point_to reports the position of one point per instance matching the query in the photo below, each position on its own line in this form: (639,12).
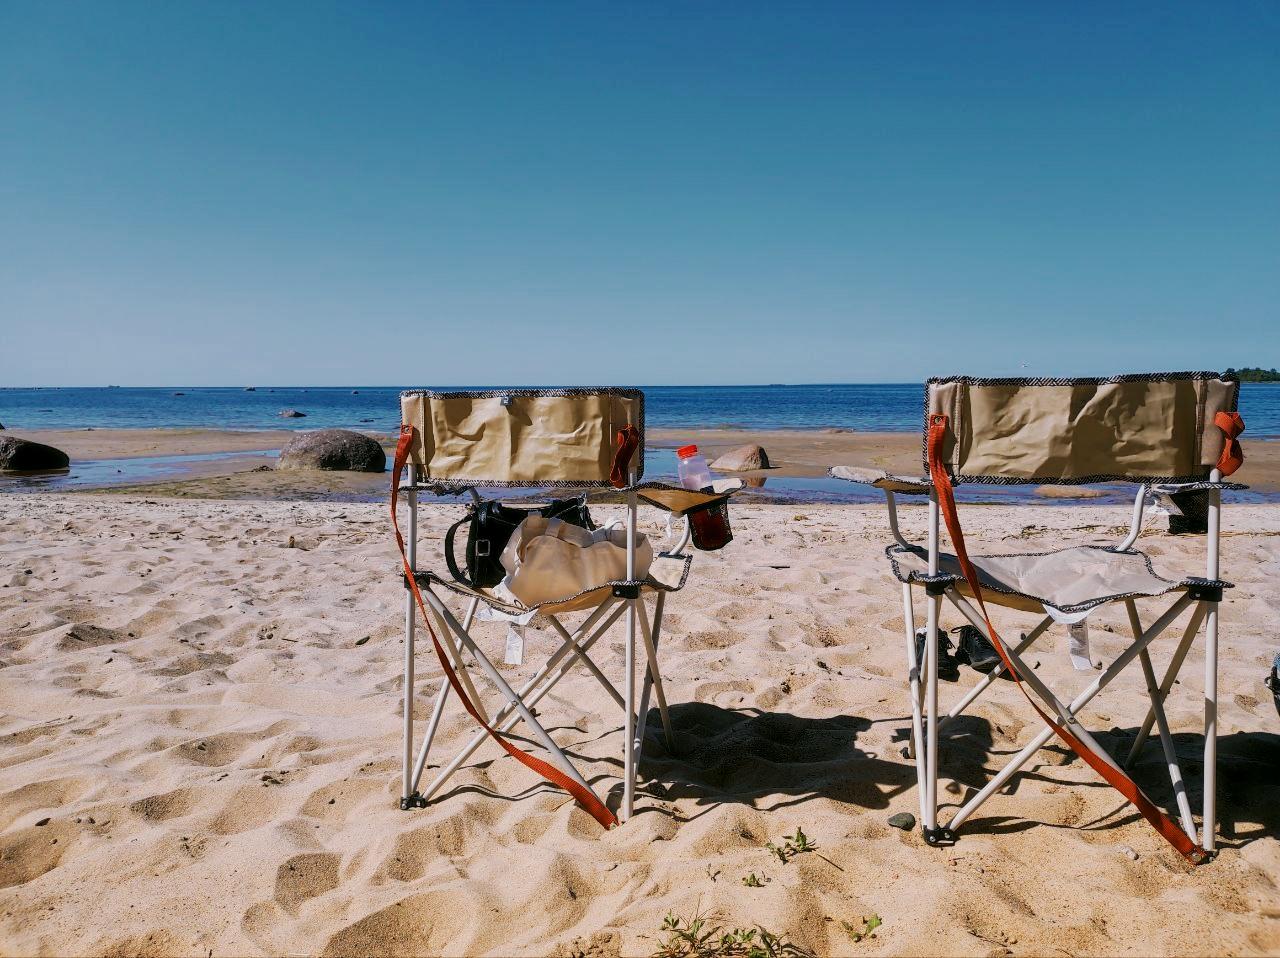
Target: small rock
(1128,853)
(742,459)
(904,820)
(363,641)
(23,455)
(292,414)
(953,787)
(42,823)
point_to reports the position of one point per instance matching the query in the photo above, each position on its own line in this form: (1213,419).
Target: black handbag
(492,524)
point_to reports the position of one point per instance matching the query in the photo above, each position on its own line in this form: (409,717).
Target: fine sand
(201,730)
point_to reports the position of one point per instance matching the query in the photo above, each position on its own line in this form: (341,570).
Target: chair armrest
(1203,485)
(679,500)
(904,485)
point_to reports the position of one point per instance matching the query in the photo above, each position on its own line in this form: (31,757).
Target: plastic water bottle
(694,473)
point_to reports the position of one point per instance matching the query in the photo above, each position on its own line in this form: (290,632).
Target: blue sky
(220,193)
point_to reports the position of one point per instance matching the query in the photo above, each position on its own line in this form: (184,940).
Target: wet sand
(794,453)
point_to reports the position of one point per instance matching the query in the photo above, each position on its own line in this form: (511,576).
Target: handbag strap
(596,808)
(448,549)
(1122,783)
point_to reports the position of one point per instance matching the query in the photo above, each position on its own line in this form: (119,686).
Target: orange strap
(585,796)
(1232,457)
(1162,823)
(628,442)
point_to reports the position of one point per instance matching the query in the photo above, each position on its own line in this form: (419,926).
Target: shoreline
(233,467)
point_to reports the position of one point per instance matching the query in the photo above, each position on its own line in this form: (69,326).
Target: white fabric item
(1078,647)
(1078,642)
(515,645)
(487,613)
(548,559)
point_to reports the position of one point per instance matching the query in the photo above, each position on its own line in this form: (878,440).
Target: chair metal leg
(653,676)
(1171,673)
(931,728)
(1162,723)
(586,660)
(406,784)
(629,665)
(1209,814)
(985,682)
(455,653)
(1029,678)
(441,698)
(915,747)
(1086,695)
(508,693)
(646,688)
(507,720)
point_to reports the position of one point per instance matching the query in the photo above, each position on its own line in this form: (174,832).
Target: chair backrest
(1150,427)
(521,437)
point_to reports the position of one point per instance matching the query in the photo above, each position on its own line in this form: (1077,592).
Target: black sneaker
(948,670)
(973,649)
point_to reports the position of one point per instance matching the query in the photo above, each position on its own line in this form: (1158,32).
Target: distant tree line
(1255,374)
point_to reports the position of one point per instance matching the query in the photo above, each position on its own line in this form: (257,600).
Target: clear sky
(222,193)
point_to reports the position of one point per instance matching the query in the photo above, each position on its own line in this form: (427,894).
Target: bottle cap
(684,452)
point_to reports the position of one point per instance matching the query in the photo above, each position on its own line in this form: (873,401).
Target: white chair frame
(455,637)
(926,722)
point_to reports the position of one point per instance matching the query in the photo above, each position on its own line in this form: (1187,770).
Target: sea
(879,407)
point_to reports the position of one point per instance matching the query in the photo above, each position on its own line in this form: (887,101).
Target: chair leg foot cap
(413,801)
(940,837)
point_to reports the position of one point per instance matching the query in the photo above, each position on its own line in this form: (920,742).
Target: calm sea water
(885,407)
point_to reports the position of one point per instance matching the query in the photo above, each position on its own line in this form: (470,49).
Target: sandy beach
(201,730)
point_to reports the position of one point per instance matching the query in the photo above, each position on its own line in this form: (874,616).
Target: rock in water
(339,449)
(292,414)
(904,820)
(23,455)
(742,459)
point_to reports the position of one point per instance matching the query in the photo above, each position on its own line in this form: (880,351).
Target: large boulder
(23,455)
(742,459)
(292,414)
(339,449)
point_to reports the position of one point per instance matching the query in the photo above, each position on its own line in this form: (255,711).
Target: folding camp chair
(1168,433)
(590,439)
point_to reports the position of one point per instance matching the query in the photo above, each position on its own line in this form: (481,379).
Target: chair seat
(666,574)
(1072,580)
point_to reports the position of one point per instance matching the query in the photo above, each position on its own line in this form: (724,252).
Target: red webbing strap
(1162,823)
(1232,457)
(628,442)
(585,797)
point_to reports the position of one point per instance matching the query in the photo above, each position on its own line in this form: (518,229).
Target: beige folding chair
(1169,433)
(587,439)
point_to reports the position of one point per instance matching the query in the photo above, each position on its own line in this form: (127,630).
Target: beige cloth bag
(548,559)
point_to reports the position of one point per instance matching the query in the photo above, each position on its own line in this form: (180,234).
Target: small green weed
(869,925)
(792,845)
(699,938)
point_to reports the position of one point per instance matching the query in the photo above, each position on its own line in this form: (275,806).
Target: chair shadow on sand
(776,760)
